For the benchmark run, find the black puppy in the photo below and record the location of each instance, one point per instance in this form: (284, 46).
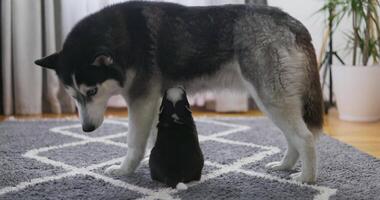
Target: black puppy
(176, 157)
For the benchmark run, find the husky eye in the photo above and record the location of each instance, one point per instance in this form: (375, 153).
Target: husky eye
(92, 92)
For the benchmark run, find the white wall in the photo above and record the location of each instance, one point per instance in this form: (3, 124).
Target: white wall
(305, 11)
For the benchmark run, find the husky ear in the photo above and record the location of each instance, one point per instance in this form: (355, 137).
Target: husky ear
(49, 62)
(102, 60)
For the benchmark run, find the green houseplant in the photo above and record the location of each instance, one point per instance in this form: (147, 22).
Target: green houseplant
(357, 85)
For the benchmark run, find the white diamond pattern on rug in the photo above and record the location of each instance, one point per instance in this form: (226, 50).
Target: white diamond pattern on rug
(224, 157)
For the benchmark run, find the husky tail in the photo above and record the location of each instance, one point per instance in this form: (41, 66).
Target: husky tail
(313, 99)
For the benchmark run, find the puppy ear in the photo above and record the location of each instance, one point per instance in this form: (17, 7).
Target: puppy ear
(49, 62)
(102, 60)
(182, 88)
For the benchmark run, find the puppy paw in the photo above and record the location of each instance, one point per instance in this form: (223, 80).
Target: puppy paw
(277, 166)
(181, 186)
(300, 177)
(116, 170)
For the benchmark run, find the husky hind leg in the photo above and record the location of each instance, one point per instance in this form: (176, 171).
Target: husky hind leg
(289, 160)
(301, 142)
(279, 84)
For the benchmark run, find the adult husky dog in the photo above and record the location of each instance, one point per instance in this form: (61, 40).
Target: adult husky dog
(139, 49)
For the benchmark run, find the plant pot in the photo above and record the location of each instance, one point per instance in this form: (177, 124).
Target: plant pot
(357, 92)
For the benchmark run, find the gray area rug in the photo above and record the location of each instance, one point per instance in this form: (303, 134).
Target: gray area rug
(54, 159)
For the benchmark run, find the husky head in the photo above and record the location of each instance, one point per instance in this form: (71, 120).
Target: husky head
(89, 70)
(91, 85)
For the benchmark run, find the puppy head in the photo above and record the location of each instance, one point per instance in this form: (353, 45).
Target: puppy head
(175, 106)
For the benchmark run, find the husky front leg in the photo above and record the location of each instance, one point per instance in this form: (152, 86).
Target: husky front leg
(141, 115)
(153, 132)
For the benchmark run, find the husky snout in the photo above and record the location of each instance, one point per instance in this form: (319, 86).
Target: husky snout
(91, 116)
(88, 127)
(90, 124)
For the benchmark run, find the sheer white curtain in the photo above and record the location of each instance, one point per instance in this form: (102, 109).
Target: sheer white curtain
(28, 32)
(32, 29)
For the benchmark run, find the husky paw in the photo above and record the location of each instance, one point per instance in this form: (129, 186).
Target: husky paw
(116, 170)
(299, 177)
(277, 166)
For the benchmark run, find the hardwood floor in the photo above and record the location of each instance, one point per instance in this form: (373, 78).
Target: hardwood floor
(363, 136)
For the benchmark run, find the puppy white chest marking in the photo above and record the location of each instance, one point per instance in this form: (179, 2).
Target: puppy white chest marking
(174, 95)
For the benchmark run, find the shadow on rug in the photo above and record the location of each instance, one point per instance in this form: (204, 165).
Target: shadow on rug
(54, 159)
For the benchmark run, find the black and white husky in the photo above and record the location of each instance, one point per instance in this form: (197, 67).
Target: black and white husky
(139, 49)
